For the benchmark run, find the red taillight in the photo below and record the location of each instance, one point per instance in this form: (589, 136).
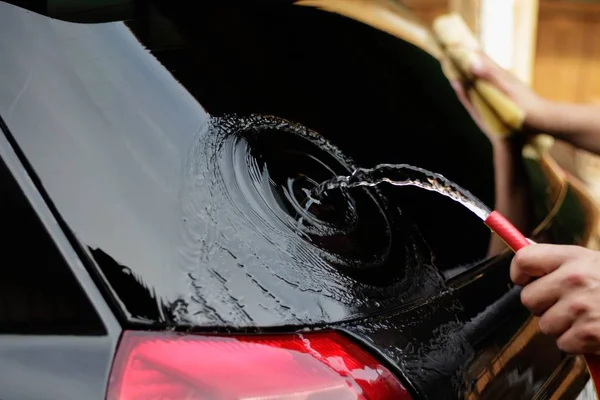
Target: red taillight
(312, 366)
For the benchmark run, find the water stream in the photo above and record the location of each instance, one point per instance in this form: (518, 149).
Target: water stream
(402, 175)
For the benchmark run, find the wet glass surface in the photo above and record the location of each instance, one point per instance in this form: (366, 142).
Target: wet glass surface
(130, 127)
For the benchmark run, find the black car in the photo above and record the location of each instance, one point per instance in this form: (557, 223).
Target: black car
(157, 162)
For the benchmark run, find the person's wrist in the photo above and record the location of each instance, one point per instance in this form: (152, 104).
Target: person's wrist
(538, 117)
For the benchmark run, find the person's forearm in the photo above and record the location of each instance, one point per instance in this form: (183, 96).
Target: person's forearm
(574, 123)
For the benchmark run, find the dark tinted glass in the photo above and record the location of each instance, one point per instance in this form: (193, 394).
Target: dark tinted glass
(122, 121)
(38, 293)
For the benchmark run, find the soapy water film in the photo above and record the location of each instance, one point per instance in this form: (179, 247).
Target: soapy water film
(254, 234)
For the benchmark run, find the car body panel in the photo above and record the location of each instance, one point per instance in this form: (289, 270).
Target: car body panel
(55, 367)
(47, 366)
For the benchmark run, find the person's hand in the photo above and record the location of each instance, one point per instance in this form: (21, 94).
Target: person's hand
(536, 108)
(562, 287)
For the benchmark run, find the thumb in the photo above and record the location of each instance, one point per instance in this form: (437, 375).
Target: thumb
(485, 68)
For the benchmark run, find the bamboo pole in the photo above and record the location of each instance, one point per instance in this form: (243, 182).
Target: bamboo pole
(470, 11)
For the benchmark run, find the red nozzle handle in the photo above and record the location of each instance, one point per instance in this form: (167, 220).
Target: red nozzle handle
(516, 241)
(507, 231)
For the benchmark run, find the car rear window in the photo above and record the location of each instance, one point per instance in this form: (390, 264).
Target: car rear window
(110, 115)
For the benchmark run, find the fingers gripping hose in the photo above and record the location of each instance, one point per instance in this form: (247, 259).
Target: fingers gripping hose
(516, 241)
